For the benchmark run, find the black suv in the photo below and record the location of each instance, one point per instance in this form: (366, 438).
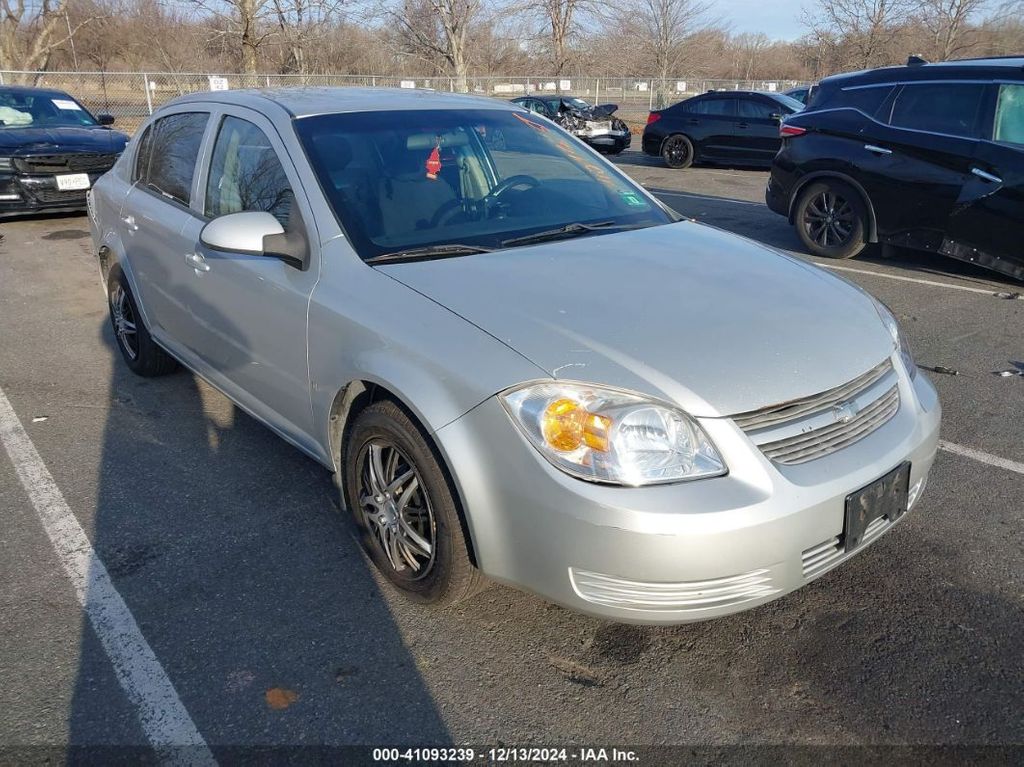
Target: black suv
(926, 156)
(740, 127)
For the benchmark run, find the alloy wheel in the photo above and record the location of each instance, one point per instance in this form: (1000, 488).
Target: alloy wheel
(396, 509)
(677, 151)
(124, 322)
(829, 220)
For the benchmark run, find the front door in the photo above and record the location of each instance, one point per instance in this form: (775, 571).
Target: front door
(251, 310)
(986, 227)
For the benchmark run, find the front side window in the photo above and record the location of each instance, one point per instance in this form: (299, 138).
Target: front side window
(246, 174)
(175, 148)
(950, 108)
(398, 180)
(1009, 124)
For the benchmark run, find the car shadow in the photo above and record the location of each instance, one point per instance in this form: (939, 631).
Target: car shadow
(245, 578)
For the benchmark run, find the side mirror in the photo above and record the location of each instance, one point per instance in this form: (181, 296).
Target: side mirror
(257, 233)
(105, 119)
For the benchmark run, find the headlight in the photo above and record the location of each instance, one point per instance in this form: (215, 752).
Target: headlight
(889, 320)
(610, 436)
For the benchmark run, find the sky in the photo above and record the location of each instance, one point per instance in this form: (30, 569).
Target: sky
(779, 19)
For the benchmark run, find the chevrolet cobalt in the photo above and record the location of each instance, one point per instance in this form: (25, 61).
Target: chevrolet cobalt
(517, 363)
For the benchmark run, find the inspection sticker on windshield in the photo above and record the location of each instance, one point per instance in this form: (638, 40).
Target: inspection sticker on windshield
(67, 104)
(69, 182)
(632, 198)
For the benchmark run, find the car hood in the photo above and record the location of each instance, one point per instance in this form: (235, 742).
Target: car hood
(684, 312)
(46, 140)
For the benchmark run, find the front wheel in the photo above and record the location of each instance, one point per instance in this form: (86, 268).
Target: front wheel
(677, 152)
(405, 509)
(830, 220)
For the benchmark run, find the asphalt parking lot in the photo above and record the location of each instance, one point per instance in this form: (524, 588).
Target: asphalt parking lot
(226, 546)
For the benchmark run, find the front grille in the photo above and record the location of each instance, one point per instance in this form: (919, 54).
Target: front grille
(55, 195)
(688, 595)
(805, 429)
(79, 162)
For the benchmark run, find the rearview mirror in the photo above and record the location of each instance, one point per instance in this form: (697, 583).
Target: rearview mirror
(257, 233)
(105, 119)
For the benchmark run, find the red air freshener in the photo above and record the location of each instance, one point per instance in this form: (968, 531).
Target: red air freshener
(434, 163)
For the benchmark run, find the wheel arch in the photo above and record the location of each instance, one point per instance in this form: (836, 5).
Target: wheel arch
(355, 397)
(685, 135)
(869, 208)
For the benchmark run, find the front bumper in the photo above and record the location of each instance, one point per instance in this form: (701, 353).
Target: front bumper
(614, 140)
(669, 554)
(32, 193)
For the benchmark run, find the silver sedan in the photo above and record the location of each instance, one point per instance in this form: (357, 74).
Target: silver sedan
(516, 361)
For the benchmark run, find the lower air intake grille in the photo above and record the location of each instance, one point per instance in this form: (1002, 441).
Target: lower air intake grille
(687, 595)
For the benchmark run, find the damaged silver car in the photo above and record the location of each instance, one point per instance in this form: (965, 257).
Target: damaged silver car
(594, 125)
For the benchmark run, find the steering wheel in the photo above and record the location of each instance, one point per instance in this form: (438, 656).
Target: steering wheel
(448, 211)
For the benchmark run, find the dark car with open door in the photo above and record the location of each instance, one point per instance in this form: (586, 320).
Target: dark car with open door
(52, 150)
(924, 156)
(729, 127)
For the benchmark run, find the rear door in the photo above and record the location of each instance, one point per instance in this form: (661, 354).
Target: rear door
(915, 158)
(154, 218)
(987, 225)
(711, 123)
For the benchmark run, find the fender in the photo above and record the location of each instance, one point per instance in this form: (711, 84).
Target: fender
(868, 206)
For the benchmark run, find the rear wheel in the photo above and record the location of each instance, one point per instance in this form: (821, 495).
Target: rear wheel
(677, 152)
(405, 509)
(140, 352)
(830, 220)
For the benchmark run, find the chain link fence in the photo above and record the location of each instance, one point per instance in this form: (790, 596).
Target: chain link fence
(132, 96)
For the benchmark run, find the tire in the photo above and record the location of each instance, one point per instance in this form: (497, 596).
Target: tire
(830, 219)
(141, 353)
(439, 572)
(677, 152)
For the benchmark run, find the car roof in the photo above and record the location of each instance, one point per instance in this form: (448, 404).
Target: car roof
(960, 69)
(305, 102)
(31, 89)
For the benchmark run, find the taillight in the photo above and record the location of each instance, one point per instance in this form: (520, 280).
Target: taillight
(790, 131)
(653, 117)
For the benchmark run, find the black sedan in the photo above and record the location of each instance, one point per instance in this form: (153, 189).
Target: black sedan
(52, 150)
(740, 127)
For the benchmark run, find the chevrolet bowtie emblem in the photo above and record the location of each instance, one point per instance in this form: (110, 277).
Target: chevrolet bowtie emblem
(845, 412)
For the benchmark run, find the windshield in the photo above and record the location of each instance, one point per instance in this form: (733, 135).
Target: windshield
(398, 180)
(577, 103)
(789, 101)
(41, 109)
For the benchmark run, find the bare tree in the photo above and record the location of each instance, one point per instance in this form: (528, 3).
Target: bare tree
(435, 29)
(866, 28)
(248, 23)
(30, 32)
(660, 29)
(948, 22)
(560, 21)
(301, 24)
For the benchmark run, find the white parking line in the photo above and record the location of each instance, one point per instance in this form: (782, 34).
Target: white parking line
(979, 455)
(918, 280)
(161, 713)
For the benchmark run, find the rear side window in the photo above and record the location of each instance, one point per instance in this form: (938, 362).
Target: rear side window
(141, 170)
(1009, 125)
(939, 108)
(174, 149)
(715, 107)
(867, 100)
(246, 174)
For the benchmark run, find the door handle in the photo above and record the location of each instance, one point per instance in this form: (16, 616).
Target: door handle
(984, 176)
(693, 121)
(197, 262)
(877, 149)
(743, 125)
(129, 221)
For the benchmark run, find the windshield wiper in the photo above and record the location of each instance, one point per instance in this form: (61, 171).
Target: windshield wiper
(428, 252)
(575, 229)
